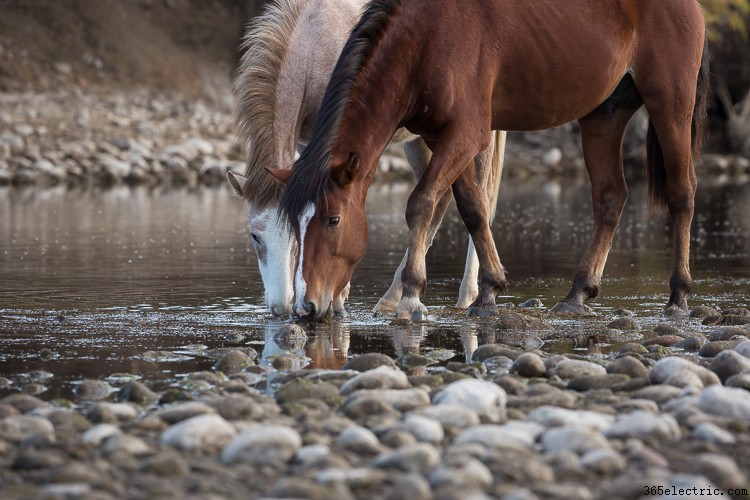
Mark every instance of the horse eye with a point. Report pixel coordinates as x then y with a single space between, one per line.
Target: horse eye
255 238
334 221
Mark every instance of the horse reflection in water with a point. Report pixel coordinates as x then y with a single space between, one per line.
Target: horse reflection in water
327 348
290 52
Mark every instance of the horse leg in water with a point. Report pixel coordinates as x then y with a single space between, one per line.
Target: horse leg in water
488 165
602 132
474 208
452 155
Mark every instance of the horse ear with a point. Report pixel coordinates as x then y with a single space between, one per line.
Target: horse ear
238 183
344 174
281 174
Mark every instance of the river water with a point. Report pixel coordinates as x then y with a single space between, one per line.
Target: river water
146 281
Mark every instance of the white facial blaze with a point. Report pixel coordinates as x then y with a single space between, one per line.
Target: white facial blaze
275 253
299 281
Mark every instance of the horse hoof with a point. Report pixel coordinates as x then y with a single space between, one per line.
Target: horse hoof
384 307
482 311
675 311
569 309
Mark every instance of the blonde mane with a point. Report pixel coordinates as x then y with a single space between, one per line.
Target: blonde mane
265 45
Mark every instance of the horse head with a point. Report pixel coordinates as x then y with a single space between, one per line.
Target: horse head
275 248
331 231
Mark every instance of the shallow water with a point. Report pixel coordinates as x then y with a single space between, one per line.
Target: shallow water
90 280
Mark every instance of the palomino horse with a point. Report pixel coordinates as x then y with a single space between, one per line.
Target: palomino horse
290 52
474 67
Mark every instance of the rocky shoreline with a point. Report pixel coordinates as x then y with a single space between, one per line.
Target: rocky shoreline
102 137
658 417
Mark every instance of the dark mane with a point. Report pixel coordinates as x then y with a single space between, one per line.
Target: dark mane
309 171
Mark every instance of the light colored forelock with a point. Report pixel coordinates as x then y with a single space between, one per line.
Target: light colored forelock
300 286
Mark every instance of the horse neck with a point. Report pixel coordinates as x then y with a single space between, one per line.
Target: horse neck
376 108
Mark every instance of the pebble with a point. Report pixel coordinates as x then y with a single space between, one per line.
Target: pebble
551 416
680 372
604 461
200 432
424 429
727 402
629 366
462 472
368 361
728 363
382 377
529 365
421 458
515 435
712 433
487 399
573 368
263 445
644 425
453 417
183 411
577 439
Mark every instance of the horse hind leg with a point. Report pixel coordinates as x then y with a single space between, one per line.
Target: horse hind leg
602 132
474 207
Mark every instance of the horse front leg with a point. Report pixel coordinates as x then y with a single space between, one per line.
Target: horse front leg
450 159
418 155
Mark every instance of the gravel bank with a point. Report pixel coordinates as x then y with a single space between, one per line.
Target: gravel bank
671 410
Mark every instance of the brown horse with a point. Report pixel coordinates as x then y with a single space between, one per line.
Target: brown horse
472 67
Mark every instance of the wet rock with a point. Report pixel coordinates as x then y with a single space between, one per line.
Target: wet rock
690 344
573 368
383 377
485 398
702 312
138 393
201 432
300 388
31 459
629 366
727 333
486 351
658 393
727 402
93 389
644 425
290 337
680 372
624 323
632 349
531 303
666 329
663 340
529 365
542 394
183 411
262 445
233 362
421 458
369 361
728 363
711 349
515 321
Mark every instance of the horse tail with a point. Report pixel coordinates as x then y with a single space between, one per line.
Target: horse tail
264 46
498 160
657 174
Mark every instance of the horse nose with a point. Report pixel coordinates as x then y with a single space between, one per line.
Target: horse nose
307 310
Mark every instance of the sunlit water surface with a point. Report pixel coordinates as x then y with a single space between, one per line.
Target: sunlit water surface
90 280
